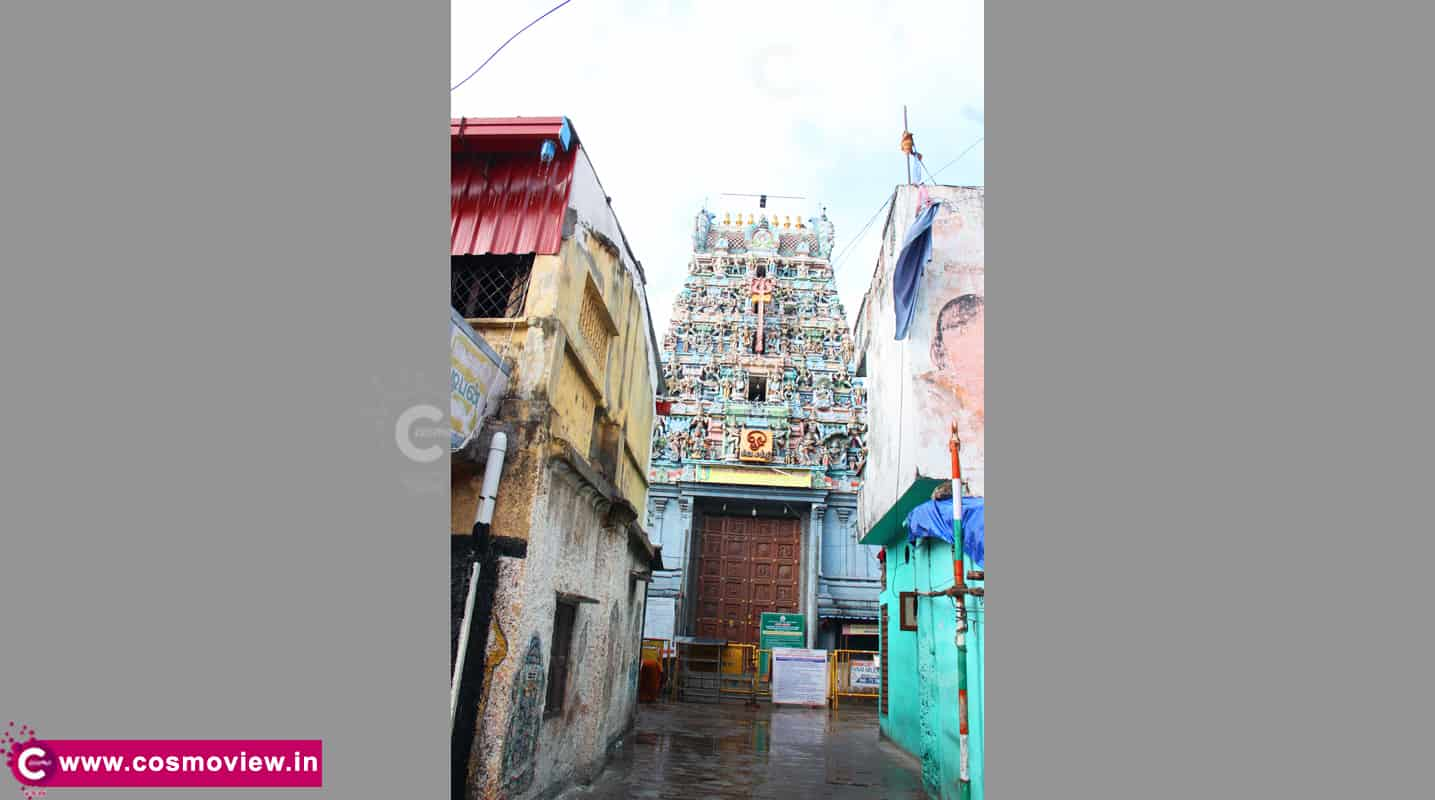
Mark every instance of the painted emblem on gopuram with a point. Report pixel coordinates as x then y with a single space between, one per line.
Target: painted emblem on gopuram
756 445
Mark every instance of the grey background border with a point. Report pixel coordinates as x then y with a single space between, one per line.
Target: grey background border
1208 381
225 266
222 248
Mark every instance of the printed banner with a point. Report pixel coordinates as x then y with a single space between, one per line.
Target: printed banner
799 676
864 675
478 380
659 618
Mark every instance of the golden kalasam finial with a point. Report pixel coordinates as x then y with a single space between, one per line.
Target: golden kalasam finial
787 222
799 221
727 218
749 220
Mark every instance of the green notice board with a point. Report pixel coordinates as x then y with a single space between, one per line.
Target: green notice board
781 630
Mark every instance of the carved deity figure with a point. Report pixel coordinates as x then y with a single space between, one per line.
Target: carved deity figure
703 224
826 233
730 443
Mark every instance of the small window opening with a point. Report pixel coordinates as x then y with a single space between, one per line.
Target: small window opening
489 285
563 617
908 610
757 389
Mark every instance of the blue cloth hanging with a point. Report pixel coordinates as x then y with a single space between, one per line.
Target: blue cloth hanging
916 252
934 519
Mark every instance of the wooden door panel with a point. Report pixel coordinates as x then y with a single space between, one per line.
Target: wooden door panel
749 566
710 629
764 593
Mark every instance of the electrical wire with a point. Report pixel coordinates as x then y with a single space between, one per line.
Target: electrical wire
958 158
922 165
844 252
505 44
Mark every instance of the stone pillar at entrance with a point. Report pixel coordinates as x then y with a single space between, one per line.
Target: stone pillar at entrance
813 558
685 524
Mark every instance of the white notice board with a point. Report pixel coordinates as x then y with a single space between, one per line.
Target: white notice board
658 619
799 676
864 675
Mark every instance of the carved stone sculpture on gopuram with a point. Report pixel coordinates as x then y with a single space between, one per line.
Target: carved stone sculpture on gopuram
759 341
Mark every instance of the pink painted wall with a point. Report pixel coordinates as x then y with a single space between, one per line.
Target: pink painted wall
919 386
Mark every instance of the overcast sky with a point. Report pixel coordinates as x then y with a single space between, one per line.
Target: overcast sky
684 100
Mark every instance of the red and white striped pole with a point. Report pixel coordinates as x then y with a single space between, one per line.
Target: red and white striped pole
959 590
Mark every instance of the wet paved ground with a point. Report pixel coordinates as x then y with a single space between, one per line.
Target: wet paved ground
693 751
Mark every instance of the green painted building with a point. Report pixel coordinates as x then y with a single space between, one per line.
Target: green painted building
929 668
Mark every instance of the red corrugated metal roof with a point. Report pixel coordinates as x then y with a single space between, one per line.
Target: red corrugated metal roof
505 199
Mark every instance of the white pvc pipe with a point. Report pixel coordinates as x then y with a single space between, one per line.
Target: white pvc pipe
496 450
462 647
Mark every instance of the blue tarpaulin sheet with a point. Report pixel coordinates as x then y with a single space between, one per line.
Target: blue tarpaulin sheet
916 252
934 519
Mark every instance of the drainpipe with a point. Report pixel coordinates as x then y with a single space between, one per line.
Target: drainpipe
496 450
463 633
478 612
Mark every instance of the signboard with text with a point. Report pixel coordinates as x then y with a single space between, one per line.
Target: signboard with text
477 378
864 675
799 676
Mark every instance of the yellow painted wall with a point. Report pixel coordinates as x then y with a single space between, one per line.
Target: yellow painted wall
554 358
573 400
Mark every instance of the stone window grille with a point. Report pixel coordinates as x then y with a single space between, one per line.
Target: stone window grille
592 326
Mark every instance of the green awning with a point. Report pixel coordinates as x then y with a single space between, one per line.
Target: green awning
888 529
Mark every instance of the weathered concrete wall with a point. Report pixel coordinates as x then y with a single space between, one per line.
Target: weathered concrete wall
579 418
571 551
919 386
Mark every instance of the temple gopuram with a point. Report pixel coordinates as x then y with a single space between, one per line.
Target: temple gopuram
759 449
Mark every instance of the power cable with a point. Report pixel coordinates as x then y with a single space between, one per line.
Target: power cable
958 158
505 44
846 250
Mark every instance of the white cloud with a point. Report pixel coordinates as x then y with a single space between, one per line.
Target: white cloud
680 101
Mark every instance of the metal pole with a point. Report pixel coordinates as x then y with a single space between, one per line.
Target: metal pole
905 129
960 563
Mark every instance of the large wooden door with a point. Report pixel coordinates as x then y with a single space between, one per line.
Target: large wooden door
748 565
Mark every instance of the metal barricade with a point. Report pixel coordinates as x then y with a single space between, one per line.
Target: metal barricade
762 675
697 672
739 667
842 683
